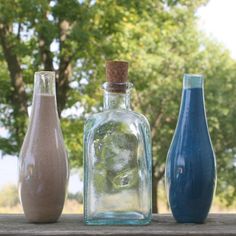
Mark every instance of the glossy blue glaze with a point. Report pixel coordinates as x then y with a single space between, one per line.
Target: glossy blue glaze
190 169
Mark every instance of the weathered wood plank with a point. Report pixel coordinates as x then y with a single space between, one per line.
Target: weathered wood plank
162 225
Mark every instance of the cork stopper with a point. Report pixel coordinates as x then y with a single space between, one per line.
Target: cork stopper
117 75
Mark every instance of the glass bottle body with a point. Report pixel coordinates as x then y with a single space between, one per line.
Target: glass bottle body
190 167
117 165
43 166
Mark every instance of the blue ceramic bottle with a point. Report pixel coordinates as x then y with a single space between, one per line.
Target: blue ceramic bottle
191 169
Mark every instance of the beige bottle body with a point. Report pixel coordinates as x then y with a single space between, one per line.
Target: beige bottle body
43 163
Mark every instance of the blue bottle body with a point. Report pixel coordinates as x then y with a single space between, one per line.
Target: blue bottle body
191 168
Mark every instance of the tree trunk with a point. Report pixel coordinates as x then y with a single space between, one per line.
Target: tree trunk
44 45
156 178
18 93
65 68
63 87
154 194
18 96
45 53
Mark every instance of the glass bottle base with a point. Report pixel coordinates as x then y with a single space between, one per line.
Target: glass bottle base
118 218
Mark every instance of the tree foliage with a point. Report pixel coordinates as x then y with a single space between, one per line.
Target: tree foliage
9 196
161 41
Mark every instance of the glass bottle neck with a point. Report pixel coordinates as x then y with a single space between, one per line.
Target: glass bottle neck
116 101
117 95
44 83
44 96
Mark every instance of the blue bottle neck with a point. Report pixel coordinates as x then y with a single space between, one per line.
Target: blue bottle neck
193 102
192 109
193 81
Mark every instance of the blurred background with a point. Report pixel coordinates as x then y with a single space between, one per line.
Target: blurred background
161 39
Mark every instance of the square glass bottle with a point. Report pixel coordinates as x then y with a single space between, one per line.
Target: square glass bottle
117 157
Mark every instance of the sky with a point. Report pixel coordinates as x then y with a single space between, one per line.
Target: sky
217 19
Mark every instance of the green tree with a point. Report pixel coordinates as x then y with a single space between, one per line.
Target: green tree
161 41
9 196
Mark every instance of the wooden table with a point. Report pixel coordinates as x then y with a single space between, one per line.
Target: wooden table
217 224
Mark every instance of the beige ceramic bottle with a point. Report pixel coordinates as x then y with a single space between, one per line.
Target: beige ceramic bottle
43 164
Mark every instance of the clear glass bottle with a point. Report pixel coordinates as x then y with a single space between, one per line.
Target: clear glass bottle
191 165
117 157
43 165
